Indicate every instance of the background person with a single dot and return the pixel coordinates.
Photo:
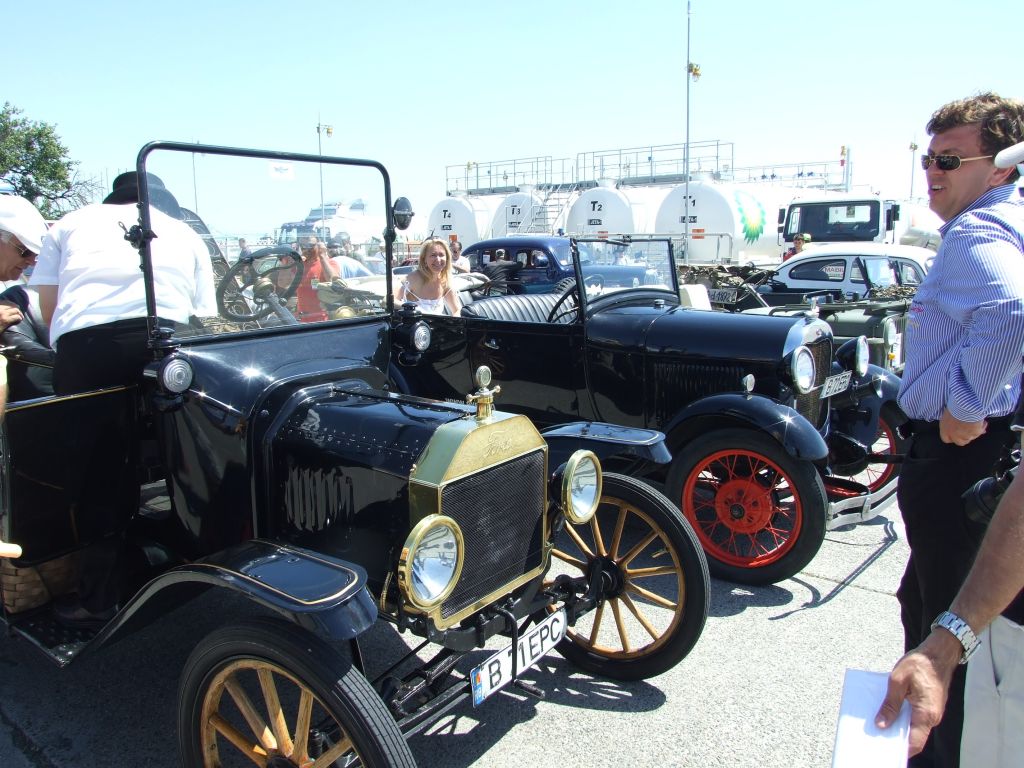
(460, 263)
(963, 366)
(799, 240)
(318, 267)
(429, 286)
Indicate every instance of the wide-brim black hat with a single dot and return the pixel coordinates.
(126, 190)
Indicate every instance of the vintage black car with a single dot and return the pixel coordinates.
(280, 465)
(765, 419)
(536, 263)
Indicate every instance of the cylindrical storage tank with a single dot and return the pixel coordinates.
(601, 209)
(515, 214)
(466, 218)
(728, 223)
(645, 202)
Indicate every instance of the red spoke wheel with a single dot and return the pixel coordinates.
(758, 513)
(876, 476)
(655, 584)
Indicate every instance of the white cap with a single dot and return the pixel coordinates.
(19, 217)
(1010, 156)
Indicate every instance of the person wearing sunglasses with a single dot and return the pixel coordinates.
(21, 236)
(959, 388)
(799, 241)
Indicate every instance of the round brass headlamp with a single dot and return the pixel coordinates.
(431, 561)
(581, 487)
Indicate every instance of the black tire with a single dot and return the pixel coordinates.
(634, 529)
(758, 513)
(339, 701)
(877, 476)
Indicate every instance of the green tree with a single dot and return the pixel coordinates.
(35, 163)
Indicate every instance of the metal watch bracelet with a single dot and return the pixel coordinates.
(961, 630)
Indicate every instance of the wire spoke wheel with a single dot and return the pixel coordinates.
(758, 513)
(654, 583)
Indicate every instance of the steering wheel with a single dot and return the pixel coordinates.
(559, 311)
(243, 291)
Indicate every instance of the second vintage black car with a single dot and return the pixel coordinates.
(763, 415)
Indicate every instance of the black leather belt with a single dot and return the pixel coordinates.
(919, 427)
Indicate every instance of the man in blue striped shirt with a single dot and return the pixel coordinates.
(963, 368)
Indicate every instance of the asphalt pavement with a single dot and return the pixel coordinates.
(761, 688)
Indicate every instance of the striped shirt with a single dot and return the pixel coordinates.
(965, 334)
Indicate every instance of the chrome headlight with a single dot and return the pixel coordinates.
(889, 331)
(802, 369)
(431, 561)
(581, 487)
(863, 356)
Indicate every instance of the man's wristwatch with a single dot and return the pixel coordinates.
(961, 630)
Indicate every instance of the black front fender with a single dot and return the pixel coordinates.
(855, 412)
(792, 431)
(607, 441)
(320, 593)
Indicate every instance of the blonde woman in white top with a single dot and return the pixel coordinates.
(430, 284)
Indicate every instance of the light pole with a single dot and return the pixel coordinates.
(322, 129)
(913, 157)
(692, 73)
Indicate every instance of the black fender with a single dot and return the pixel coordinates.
(793, 432)
(607, 441)
(320, 593)
(855, 413)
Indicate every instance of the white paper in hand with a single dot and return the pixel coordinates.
(859, 741)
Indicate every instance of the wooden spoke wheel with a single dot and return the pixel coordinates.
(269, 693)
(655, 587)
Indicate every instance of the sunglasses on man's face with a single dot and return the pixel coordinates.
(948, 162)
(23, 252)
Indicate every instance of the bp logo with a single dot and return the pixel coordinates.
(752, 216)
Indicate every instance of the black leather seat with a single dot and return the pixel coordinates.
(523, 308)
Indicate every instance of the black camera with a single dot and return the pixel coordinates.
(982, 498)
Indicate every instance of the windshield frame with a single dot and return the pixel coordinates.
(141, 234)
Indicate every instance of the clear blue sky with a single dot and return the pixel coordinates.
(420, 86)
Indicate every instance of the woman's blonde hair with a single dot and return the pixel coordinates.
(421, 265)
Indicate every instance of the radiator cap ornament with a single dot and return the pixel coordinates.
(483, 397)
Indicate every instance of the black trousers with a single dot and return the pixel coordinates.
(101, 356)
(943, 543)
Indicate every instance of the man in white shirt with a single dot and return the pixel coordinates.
(92, 291)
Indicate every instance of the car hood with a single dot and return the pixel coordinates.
(704, 334)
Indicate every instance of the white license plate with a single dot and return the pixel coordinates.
(723, 295)
(495, 673)
(835, 384)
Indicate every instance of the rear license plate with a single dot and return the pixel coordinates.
(835, 384)
(723, 295)
(495, 673)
